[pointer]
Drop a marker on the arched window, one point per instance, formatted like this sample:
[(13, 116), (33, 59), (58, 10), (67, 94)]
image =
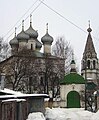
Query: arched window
[(94, 64), (88, 64)]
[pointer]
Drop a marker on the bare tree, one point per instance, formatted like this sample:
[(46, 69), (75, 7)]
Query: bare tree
[(4, 49), (16, 72), (53, 73), (19, 70), (62, 49)]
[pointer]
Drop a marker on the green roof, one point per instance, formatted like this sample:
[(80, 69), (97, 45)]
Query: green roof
[(73, 78), (91, 86)]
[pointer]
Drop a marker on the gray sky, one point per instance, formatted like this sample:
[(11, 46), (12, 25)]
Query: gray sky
[(77, 11)]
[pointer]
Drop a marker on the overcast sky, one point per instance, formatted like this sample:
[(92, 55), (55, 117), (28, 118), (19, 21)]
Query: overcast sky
[(76, 11)]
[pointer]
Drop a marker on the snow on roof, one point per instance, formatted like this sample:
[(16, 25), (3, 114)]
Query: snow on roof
[(10, 100), (89, 78), (23, 96), (8, 91), (17, 93)]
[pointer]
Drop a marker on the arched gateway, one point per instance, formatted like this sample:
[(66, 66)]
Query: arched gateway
[(73, 99)]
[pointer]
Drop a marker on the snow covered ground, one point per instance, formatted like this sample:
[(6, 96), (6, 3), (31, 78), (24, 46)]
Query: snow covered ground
[(64, 114)]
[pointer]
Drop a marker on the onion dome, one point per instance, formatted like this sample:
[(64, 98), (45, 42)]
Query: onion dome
[(38, 44), (14, 41), (22, 35), (30, 31), (47, 39)]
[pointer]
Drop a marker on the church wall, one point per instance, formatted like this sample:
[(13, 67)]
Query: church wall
[(31, 42), (22, 45)]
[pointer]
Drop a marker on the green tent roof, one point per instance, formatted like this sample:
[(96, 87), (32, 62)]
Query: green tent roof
[(73, 78), (91, 86)]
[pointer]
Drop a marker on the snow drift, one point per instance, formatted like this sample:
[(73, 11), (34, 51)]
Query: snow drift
[(64, 114)]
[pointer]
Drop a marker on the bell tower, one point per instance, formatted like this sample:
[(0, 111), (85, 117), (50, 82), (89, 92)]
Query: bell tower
[(89, 65)]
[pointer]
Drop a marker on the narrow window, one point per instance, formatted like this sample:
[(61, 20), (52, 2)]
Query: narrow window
[(94, 64), (83, 65), (31, 46), (41, 81), (88, 64)]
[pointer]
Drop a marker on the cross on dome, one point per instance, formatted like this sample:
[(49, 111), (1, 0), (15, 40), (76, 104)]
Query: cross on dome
[(15, 31), (89, 29), (30, 19), (22, 25), (47, 28)]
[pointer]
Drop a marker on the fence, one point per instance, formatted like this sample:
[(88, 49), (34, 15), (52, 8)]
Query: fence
[(13, 110)]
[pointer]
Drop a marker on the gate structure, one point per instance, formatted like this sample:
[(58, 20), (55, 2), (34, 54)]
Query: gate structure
[(73, 100)]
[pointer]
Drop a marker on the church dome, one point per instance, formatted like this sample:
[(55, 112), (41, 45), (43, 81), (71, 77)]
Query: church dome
[(73, 78), (22, 35), (47, 39), (31, 32), (14, 41)]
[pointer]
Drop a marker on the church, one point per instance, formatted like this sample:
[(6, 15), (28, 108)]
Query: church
[(28, 69), (90, 71), (90, 64)]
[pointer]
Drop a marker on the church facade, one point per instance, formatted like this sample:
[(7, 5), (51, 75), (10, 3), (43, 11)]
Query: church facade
[(29, 70)]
